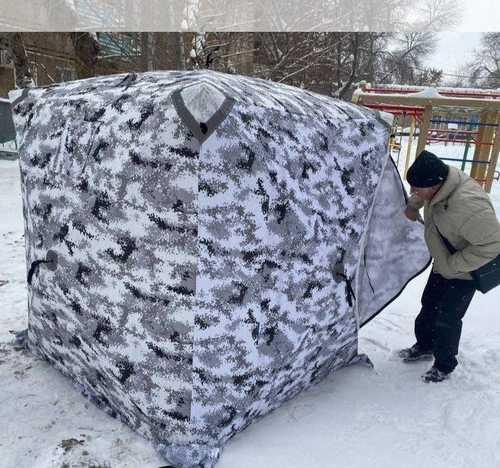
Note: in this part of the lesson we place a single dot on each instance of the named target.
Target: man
(456, 208)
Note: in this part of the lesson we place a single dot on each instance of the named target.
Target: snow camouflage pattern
(185, 275)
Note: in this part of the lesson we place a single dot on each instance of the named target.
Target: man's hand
(411, 213)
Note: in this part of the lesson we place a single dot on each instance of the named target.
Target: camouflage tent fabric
(192, 276)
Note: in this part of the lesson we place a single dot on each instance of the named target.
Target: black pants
(439, 324)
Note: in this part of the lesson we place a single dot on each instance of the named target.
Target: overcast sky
(455, 48)
(480, 15)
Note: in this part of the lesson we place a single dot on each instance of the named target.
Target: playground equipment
(396, 138)
(457, 116)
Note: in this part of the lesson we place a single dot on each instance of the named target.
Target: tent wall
(115, 311)
(271, 237)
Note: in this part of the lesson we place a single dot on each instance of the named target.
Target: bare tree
(87, 49)
(178, 45)
(13, 44)
(486, 65)
(436, 15)
(330, 63)
(326, 15)
(403, 61)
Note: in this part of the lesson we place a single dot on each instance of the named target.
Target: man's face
(426, 193)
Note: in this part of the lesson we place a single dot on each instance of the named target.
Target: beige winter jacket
(464, 214)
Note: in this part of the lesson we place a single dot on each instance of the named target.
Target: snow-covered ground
(358, 418)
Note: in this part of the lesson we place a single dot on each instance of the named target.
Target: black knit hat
(427, 170)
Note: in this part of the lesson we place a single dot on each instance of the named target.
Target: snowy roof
(427, 93)
(439, 89)
(426, 96)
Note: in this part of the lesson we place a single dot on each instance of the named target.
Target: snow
(427, 93)
(440, 89)
(387, 117)
(71, 5)
(379, 418)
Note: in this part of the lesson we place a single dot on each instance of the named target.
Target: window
(65, 73)
(4, 57)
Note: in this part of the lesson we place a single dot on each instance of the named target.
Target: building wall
(149, 51)
(7, 80)
(51, 56)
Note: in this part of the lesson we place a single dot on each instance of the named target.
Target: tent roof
(243, 89)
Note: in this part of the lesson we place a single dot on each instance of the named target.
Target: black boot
(415, 353)
(435, 375)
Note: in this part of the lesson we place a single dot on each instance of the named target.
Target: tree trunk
(86, 51)
(178, 44)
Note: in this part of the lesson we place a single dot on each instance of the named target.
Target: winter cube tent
(202, 247)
